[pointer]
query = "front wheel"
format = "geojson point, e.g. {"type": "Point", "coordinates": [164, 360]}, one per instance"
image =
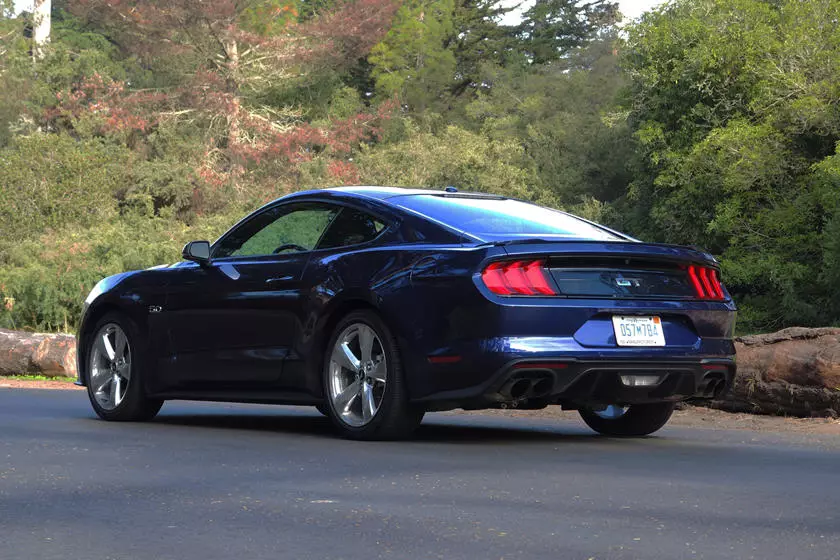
{"type": "Point", "coordinates": [634, 420]}
{"type": "Point", "coordinates": [364, 385]}
{"type": "Point", "coordinates": [115, 363]}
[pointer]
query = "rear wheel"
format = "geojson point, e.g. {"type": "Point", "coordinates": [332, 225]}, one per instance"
{"type": "Point", "coordinates": [115, 363]}
{"type": "Point", "coordinates": [364, 385]}
{"type": "Point", "coordinates": [628, 421]}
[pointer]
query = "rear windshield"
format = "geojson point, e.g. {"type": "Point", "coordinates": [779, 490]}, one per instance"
{"type": "Point", "coordinates": [499, 216]}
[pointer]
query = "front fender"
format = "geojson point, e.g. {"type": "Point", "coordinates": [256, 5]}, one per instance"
{"type": "Point", "coordinates": [132, 293]}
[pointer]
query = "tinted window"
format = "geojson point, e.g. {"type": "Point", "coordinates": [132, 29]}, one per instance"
{"type": "Point", "coordinates": [500, 216]}
{"type": "Point", "coordinates": [351, 227]}
{"type": "Point", "coordinates": [279, 230]}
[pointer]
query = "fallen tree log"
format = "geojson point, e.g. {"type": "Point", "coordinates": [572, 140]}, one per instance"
{"type": "Point", "coordinates": [795, 371]}
{"type": "Point", "coordinates": [22, 353]}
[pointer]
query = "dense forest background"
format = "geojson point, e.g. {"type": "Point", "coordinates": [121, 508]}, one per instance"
{"type": "Point", "coordinates": [146, 123]}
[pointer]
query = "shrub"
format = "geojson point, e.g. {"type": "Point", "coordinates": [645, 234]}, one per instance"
{"type": "Point", "coordinates": [47, 278]}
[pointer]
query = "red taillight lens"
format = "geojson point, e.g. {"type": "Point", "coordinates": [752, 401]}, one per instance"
{"type": "Point", "coordinates": [515, 275]}
{"type": "Point", "coordinates": [713, 276]}
{"type": "Point", "coordinates": [706, 283]}
{"type": "Point", "coordinates": [494, 278]}
{"type": "Point", "coordinates": [536, 276]}
{"type": "Point", "coordinates": [527, 278]}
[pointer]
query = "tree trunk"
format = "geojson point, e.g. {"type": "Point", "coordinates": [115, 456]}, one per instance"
{"type": "Point", "coordinates": [23, 353]}
{"type": "Point", "coordinates": [794, 371]}
{"type": "Point", "coordinates": [41, 21]}
{"type": "Point", "coordinates": [234, 117]}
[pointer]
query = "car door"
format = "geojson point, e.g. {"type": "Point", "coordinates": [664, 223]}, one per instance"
{"type": "Point", "coordinates": [232, 321]}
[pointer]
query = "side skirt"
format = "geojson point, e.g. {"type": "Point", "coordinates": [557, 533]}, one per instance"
{"type": "Point", "coordinates": [251, 397]}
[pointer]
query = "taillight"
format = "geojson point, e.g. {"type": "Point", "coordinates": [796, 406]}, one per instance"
{"type": "Point", "coordinates": [706, 282]}
{"type": "Point", "coordinates": [527, 278]}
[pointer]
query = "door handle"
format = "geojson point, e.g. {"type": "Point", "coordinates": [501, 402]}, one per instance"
{"type": "Point", "coordinates": [280, 279]}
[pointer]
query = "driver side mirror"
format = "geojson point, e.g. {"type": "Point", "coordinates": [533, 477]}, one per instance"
{"type": "Point", "coordinates": [197, 251]}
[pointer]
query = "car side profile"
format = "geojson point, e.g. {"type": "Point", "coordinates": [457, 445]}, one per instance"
{"type": "Point", "coordinates": [379, 304]}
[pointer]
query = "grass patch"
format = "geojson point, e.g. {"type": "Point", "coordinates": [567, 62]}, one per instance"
{"type": "Point", "coordinates": [60, 379]}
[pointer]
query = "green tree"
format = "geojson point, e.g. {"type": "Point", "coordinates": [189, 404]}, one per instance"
{"type": "Point", "coordinates": [562, 118]}
{"type": "Point", "coordinates": [551, 28]}
{"type": "Point", "coordinates": [413, 60]}
{"type": "Point", "coordinates": [479, 39]}
{"type": "Point", "coordinates": [733, 103]}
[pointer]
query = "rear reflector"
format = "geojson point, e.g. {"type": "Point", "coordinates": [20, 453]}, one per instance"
{"type": "Point", "coordinates": [540, 365]}
{"type": "Point", "coordinates": [706, 282]}
{"type": "Point", "coordinates": [527, 278]}
{"type": "Point", "coordinates": [444, 359]}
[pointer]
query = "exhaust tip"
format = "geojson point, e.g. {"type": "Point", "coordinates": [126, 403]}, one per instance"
{"type": "Point", "coordinates": [542, 387]}
{"type": "Point", "coordinates": [714, 385]}
{"type": "Point", "coordinates": [520, 388]}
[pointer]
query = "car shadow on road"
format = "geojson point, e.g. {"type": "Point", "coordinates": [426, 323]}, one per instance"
{"type": "Point", "coordinates": [439, 430]}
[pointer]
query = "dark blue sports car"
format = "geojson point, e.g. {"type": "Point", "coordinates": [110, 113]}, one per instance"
{"type": "Point", "coordinates": [378, 304]}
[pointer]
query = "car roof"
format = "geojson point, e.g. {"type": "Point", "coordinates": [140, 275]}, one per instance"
{"type": "Point", "coordinates": [383, 193]}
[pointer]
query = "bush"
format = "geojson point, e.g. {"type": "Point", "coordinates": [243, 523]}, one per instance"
{"type": "Point", "coordinates": [453, 156]}
{"type": "Point", "coordinates": [44, 280]}
{"type": "Point", "coordinates": [48, 181]}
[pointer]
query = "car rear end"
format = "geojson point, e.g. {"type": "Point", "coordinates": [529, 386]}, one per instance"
{"type": "Point", "coordinates": [602, 323]}
{"type": "Point", "coordinates": [585, 319]}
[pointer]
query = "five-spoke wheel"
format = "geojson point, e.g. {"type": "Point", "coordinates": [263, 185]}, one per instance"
{"type": "Point", "coordinates": [110, 366]}
{"type": "Point", "coordinates": [358, 374]}
{"type": "Point", "coordinates": [365, 392]}
{"type": "Point", "coordinates": [114, 371]}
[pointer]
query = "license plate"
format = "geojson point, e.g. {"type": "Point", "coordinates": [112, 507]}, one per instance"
{"type": "Point", "coordinates": [638, 331]}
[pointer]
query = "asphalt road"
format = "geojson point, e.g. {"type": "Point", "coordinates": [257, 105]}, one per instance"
{"type": "Point", "coordinates": [215, 481]}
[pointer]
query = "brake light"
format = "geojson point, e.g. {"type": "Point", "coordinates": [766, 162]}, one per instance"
{"type": "Point", "coordinates": [706, 283]}
{"type": "Point", "coordinates": [527, 278]}
{"type": "Point", "coordinates": [716, 283]}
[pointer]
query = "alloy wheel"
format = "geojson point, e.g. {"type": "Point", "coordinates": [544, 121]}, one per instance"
{"type": "Point", "coordinates": [357, 375]}
{"type": "Point", "coordinates": [110, 366]}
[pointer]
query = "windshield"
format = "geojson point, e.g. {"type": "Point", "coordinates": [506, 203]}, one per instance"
{"type": "Point", "coordinates": [495, 216]}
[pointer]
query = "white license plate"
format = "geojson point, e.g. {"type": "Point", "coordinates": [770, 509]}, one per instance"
{"type": "Point", "coordinates": [638, 331]}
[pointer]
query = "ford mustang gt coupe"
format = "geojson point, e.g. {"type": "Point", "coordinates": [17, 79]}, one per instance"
{"type": "Point", "coordinates": [379, 304]}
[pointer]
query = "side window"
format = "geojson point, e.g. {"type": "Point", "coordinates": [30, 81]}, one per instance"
{"type": "Point", "coordinates": [351, 227]}
{"type": "Point", "coordinates": [279, 230]}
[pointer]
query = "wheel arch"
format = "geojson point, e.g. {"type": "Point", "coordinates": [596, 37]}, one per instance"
{"type": "Point", "coordinates": [91, 318]}
{"type": "Point", "coordinates": [325, 331]}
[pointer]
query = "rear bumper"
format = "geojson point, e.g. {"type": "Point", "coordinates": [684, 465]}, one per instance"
{"type": "Point", "coordinates": [589, 382]}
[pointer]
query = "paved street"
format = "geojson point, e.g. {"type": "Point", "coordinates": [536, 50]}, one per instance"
{"type": "Point", "coordinates": [216, 481]}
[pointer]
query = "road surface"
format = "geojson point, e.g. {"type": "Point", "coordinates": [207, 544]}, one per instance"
{"type": "Point", "coordinates": [216, 481]}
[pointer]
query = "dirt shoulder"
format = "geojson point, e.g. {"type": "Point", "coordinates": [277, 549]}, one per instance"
{"type": "Point", "coordinates": [690, 417]}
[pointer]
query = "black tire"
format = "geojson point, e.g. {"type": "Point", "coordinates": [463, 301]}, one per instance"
{"type": "Point", "coordinates": [639, 420]}
{"type": "Point", "coordinates": [135, 405]}
{"type": "Point", "coordinates": [396, 417]}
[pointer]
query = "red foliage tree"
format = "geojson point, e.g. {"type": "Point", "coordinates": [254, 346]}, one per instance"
{"type": "Point", "coordinates": [240, 48]}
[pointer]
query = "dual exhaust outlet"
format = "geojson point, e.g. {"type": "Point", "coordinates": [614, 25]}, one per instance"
{"type": "Point", "coordinates": [523, 388]}
{"type": "Point", "coordinates": [714, 385]}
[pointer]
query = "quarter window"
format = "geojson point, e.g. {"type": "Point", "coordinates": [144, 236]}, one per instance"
{"type": "Point", "coordinates": [351, 227]}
